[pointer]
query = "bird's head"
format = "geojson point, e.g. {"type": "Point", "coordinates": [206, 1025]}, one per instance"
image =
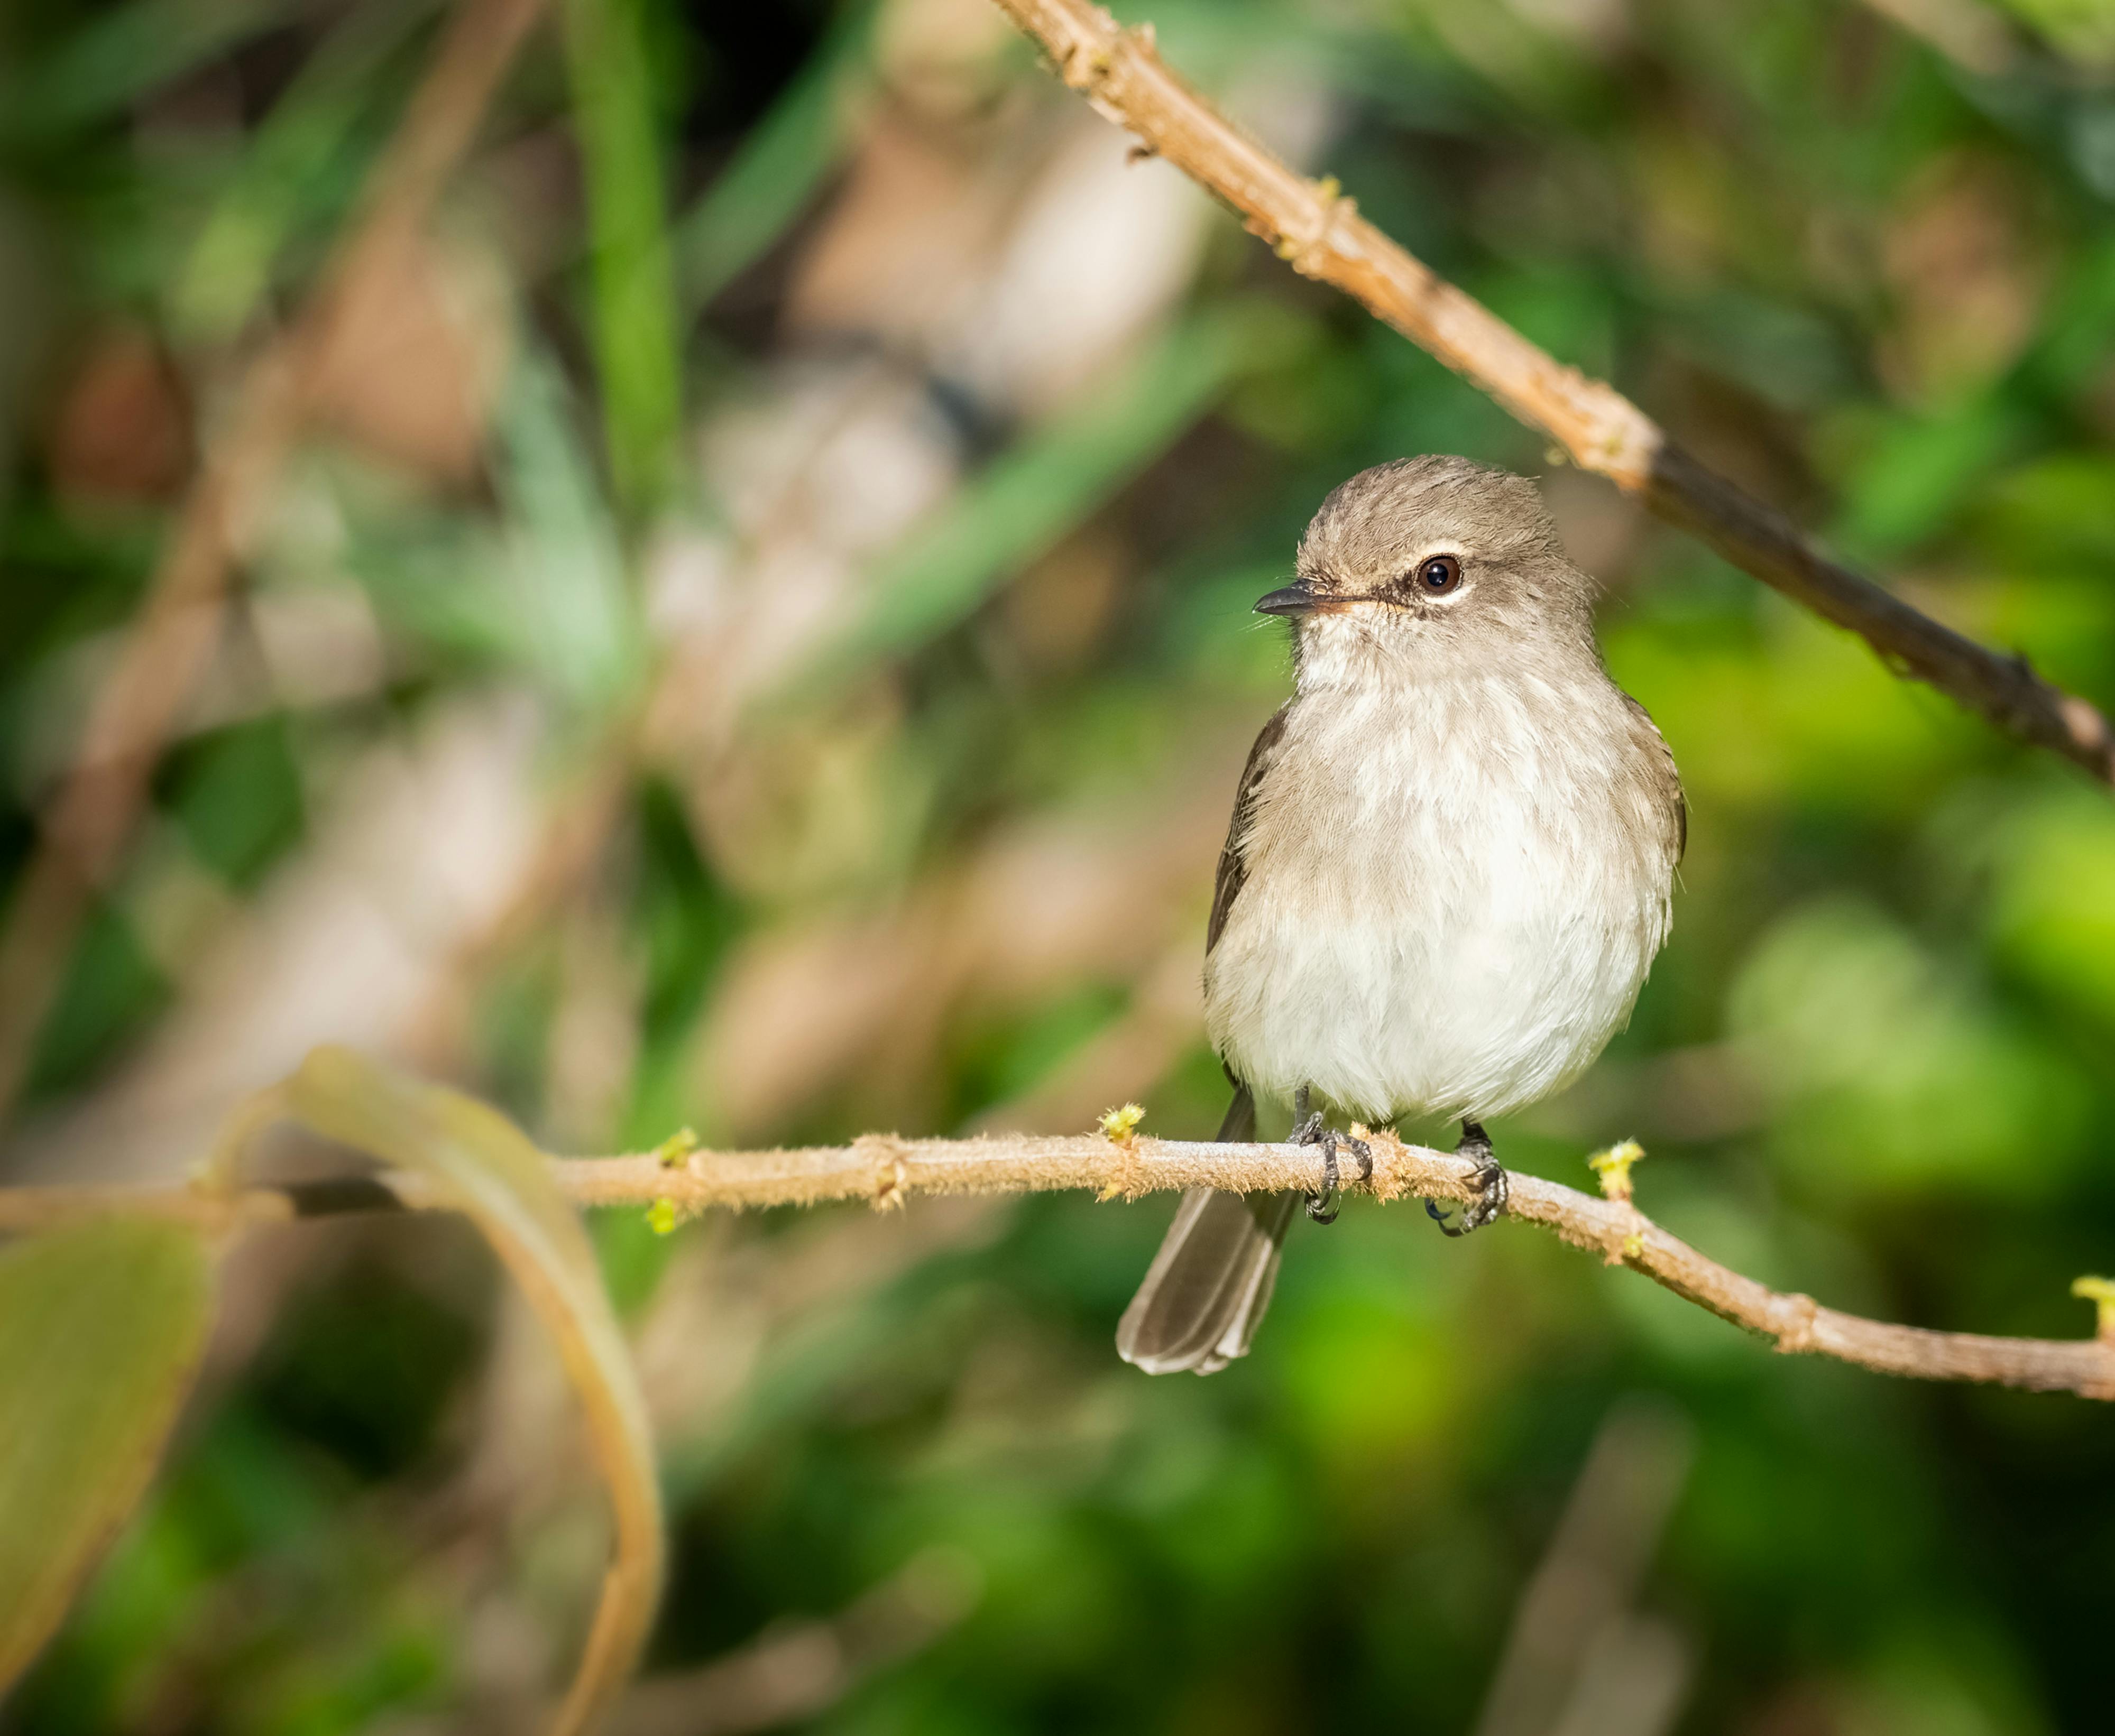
{"type": "Point", "coordinates": [1429, 563]}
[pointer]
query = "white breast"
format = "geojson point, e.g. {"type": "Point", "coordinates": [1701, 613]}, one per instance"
{"type": "Point", "coordinates": [1453, 896]}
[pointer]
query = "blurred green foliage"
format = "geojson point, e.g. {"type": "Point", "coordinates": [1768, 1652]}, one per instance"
{"type": "Point", "coordinates": [1877, 1062]}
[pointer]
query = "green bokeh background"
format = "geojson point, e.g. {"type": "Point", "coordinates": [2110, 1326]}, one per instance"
{"type": "Point", "coordinates": [1875, 285]}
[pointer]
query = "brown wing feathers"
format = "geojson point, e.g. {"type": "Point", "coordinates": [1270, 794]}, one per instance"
{"type": "Point", "coordinates": [1233, 862]}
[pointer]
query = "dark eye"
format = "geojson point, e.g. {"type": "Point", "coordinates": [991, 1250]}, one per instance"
{"type": "Point", "coordinates": [1439, 575]}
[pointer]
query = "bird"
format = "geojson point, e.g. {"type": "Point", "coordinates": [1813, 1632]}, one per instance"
{"type": "Point", "coordinates": [1450, 867]}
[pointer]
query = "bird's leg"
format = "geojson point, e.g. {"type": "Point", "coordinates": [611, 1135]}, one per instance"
{"type": "Point", "coordinates": [1492, 1181]}
{"type": "Point", "coordinates": [1307, 1122]}
{"type": "Point", "coordinates": [1309, 1129]}
{"type": "Point", "coordinates": [1493, 1186]}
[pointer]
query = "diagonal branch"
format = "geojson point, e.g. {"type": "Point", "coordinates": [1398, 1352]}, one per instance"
{"type": "Point", "coordinates": [1319, 230]}
{"type": "Point", "coordinates": [171, 639]}
{"type": "Point", "coordinates": [885, 1170]}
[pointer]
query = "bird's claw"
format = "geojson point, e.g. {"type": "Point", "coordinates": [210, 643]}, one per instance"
{"type": "Point", "coordinates": [1493, 1186]}
{"type": "Point", "coordinates": [1313, 1130]}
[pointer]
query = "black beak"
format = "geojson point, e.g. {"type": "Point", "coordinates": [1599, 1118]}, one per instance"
{"type": "Point", "coordinates": [1294, 599]}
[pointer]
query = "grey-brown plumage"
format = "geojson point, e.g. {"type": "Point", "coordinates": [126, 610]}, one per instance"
{"type": "Point", "coordinates": [1209, 1285]}
{"type": "Point", "coordinates": [1448, 866]}
{"type": "Point", "coordinates": [1205, 1293]}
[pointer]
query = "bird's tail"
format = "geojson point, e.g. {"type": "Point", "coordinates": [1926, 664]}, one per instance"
{"type": "Point", "coordinates": [1209, 1285]}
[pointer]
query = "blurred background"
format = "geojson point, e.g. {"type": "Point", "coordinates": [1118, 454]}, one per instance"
{"type": "Point", "coordinates": [734, 612]}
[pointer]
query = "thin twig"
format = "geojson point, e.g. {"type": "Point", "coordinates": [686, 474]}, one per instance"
{"type": "Point", "coordinates": [1577, 1616]}
{"type": "Point", "coordinates": [1313, 226]}
{"type": "Point", "coordinates": [170, 642]}
{"type": "Point", "coordinates": [885, 1170]}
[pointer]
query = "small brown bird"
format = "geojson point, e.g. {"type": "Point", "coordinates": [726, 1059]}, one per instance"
{"type": "Point", "coordinates": [1447, 873]}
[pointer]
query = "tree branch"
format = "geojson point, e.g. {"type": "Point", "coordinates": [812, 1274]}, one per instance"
{"type": "Point", "coordinates": [1313, 226]}
{"type": "Point", "coordinates": [885, 1170]}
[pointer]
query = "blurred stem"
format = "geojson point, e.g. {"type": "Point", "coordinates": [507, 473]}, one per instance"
{"type": "Point", "coordinates": [630, 272]}
{"type": "Point", "coordinates": [885, 1170]}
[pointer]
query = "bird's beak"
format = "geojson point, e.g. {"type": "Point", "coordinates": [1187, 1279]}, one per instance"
{"type": "Point", "coordinates": [1294, 599]}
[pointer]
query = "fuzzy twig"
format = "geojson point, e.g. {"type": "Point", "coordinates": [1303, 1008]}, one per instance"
{"type": "Point", "coordinates": [1315, 228]}
{"type": "Point", "coordinates": [885, 1170]}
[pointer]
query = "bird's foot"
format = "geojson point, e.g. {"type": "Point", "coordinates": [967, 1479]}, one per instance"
{"type": "Point", "coordinates": [1494, 1188]}
{"type": "Point", "coordinates": [1313, 1130]}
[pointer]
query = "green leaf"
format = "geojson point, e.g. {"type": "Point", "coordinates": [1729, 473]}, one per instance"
{"type": "Point", "coordinates": [1027, 498]}
{"type": "Point", "coordinates": [2084, 30]}
{"type": "Point", "coordinates": [636, 350]}
{"type": "Point", "coordinates": [782, 163]}
{"type": "Point", "coordinates": [101, 1327]}
{"type": "Point", "coordinates": [562, 599]}
{"type": "Point", "coordinates": [487, 1168]}
{"type": "Point", "coordinates": [122, 55]}
{"type": "Point", "coordinates": [1917, 473]}
{"type": "Point", "coordinates": [302, 166]}
{"type": "Point", "coordinates": [546, 591]}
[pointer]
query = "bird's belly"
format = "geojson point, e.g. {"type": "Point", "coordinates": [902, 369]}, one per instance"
{"type": "Point", "coordinates": [1394, 979]}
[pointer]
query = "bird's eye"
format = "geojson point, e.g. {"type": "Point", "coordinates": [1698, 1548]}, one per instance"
{"type": "Point", "coordinates": [1439, 575]}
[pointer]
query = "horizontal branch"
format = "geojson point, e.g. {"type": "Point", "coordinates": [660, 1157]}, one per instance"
{"type": "Point", "coordinates": [884, 1171]}
{"type": "Point", "coordinates": [1313, 226]}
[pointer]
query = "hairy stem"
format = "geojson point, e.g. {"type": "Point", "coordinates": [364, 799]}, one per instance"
{"type": "Point", "coordinates": [885, 1170]}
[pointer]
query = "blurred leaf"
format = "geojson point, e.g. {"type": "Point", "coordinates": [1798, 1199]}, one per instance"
{"type": "Point", "coordinates": [237, 795]}
{"type": "Point", "coordinates": [443, 580]}
{"type": "Point", "coordinates": [2078, 325]}
{"type": "Point", "coordinates": [2084, 30]}
{"type": "Point", "coordinates": [545, 592]}
{"type": "Point", "coordinates": [1032, 494]}
{"type": "Point", "coordinates": [112, 989]}
{"type": "Point", "coordinates": [101, 1327]}
{"type": "Point", "coordinates": [123, 54]}
{"type": "Point", "coordinates": [2061, 508]}
{"type": "Point", "coordinates": [486, 1167]}
{"type": "Point", "coordinates": [1913, 473]}
{"type": "Point", "coordinates": [686, 919]}
{"type": "Point", "coordinates": [296, 162]}
{"type": "Point", "coordinates": [2053, 899]}
{"type": "Point", "coordinates": [1795, 714]}
{"type": "Point", "coordinates": [1787, 354]}
{"type": "Point", "coordinates": [560, 601]}
{"type": "Point", "coordinates": [781, 162]}
{"type": "Point", "coordinates": [634, 322]}
{"type": "Point", "coordinates": [1894, 1073]}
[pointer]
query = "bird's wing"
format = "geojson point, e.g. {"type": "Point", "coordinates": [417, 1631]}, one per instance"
{"type": "Point", "coordinates": [1233, 857]}
{"type": "Point", "coordinates": [1664, 782]}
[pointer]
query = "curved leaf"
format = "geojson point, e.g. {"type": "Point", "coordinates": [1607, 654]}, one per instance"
{"type": "Point", "coordinates": [486, 1167]}
{"type": "Point", "coordinates": [101, 1327]}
